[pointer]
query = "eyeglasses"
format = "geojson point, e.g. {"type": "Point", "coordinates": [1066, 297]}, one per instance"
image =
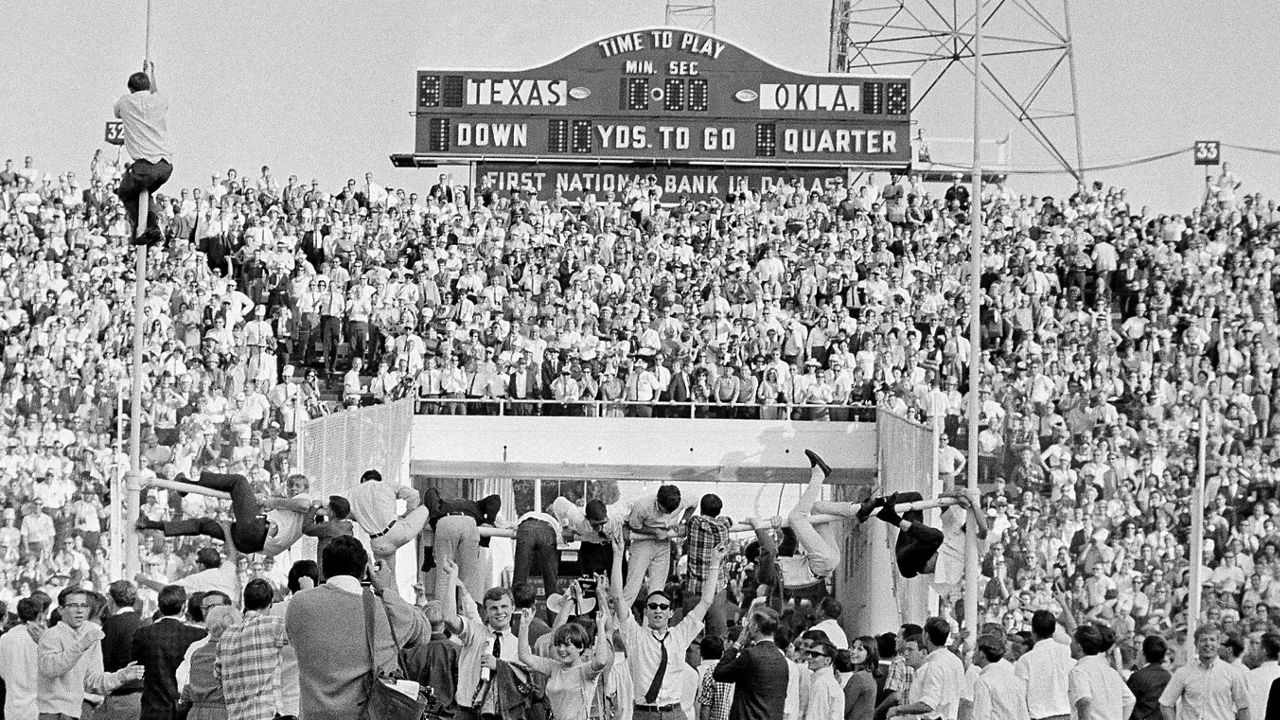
{"type": "Point", "coordinates": [658, 606]}
{"type": "Point", "coordinates": [75, 606]}
{"type": "Point", "coordinates": [816, 653]}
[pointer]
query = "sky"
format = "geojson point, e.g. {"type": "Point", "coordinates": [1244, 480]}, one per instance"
{"type": "Point", "coordinates": [324, 89]}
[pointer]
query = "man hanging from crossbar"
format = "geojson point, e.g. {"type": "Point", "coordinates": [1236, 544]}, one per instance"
{"type": "Point", "coordinates": [924, 550]}
{"type": "Point", "coordinates": [143, 113]}
{"type": "Point", "coordinates": [267, 525]}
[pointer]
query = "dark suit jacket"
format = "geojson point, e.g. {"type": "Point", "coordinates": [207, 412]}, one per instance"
{"type": "Point", "coordinates": [759, 674]}
{"type": "Point", "coordinates": [678, 391]}
{"type": "Point", "coordinates": [159, 648]}
{"type": "Point", "coordinates": [117, 646]}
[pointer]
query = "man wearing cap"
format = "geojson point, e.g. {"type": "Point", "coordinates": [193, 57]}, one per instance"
{"type": "Point", "coordinates": [998, 692]}
{"type": "Point", "coordinates": [655, 652]}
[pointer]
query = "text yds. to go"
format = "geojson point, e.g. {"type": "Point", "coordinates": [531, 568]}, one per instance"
{"type": "Point", "coordinates": [664, 137]}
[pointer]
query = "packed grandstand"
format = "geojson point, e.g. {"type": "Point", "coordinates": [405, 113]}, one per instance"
{"type": "Point", "coordinates": [1104, 325]}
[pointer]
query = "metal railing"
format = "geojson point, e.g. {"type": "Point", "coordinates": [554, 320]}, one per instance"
{"type": "Point", "coordinates": [506, 406]}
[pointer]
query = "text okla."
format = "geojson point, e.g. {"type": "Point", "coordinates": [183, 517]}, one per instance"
{"type": "Point", "coordinates": [609, 137]}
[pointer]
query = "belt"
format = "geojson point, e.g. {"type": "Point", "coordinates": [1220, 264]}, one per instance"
{"type": "Point", "coordinates": [375, 536]}
{"type": "Point", "coordinates": [457, 512]}
{"type": "Point", "coordinates": [658, 708]}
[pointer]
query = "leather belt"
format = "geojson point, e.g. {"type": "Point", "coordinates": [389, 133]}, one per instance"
{"type": "Point", "coordinates": [658, 708]}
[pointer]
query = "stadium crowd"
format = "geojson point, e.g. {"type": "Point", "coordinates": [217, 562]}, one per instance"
{"type": "Point", "coordinates": [1105, 326]}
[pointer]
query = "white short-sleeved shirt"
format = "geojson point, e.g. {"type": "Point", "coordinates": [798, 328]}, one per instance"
{"type": "Point", "coordinates": [644, 653]}
{"type": "Point", "coordinates": [1092, 678]}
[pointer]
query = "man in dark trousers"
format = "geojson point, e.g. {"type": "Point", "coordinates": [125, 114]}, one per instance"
{"type": "Point", "coordinates": [143, 113]}
{"type": "Point", "coordinates": [757, 668]}
{"type": "Point", "coordinates": [119, 630]}
{"type": "Point", "coordinates": [159, 649]}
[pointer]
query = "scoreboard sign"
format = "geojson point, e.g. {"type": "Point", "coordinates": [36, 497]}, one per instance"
{"type": "Point", "coordinates": [573, 181]}
{"type": "Point", "coordinates": [662, 95]}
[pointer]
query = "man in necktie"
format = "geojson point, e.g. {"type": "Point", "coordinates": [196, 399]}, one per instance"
{"type": "Point", "coordinates": [485, 642]}
{"type": "Point", "coordinates": [655, 651]}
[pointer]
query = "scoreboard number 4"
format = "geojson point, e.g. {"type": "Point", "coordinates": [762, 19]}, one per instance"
{"type": "Point", "coordinates": [1208, 152]}
{"type": "Point", "coordinates": [114, 132]}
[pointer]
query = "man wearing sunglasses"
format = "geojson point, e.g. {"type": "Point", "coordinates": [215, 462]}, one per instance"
{"type": "Point", "coordinates": [654, 652]}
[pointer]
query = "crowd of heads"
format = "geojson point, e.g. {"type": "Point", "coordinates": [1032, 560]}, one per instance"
{"type": "Point", "coordinates": [1105, 327]}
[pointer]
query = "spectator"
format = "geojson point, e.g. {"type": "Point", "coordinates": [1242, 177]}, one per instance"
{"type": "Point", "coordinates": [1046, 668]}
{"type": "Point", "coordinates": [159, 648]}
{"type": "Point", "coordinates": [826, 701]}
{"type": "Point", "coordinates": [572, 676]}
{"type": "Point", "coordinates": [1095, 688]}
{"type": "Point", "coordinates": [1218, 690]}
{"type": "Point", "coordinates": [1149, 681]}
{"type": "Point", "coordinates": [653, 524]}
{"type": "Point", "coordinates": [332, 668]}
{"type": "Point", "coordinates": [143, 113]}
{"type": "Point", "coordinates": [998, 692]}
{"type": "Point", "coordinates": [939, 676]}
{"type": "Point", "coordinates": [757, 669]}
{"type": "Point", "coordinates": [1260, 679]}
{"type": "Point", "coordinates": [118, 629]}
{"type": "Point", "coordinates": [249, 659]}
{"type": "Point", "coordinates": [69, 658]}
{"type": "Point", "coordinates": [198, 682]}
{"type": "Point", "coordinates": [707, 531]}
{"type": "Point", "coordinates": [714, 698]}
{"type": "Point", "coordinates": [19, 663]}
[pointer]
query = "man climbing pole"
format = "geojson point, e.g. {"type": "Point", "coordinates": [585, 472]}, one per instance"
{"type": "Point", "coordinates": [143, 112]}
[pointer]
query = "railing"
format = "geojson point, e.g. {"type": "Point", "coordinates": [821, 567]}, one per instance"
{"type": "Point", "coordinates": [633, 408]}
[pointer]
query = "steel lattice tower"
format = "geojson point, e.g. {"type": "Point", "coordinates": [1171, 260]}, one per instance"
{"type": "Point", "coordinates": [693, 15]}
{"type": "Point", "coordinates": [1027, 51]}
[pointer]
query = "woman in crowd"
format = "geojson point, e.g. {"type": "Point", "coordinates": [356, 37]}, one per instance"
{"type": "Point", "coordinates": [198, 682]}
{"type": "Point", "coordinates": [574, 672]}
{"type": "Point", "coordinates": [856, 668]}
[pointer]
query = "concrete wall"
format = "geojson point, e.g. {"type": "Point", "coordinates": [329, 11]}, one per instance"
{"type": "Point", "coordinates": [656, 449]}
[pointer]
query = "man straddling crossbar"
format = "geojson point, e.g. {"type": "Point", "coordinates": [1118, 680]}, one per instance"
{"type": "Point", "coordinates": [924, 550]}
{"type": "Point", "coordinates": [267, 525]}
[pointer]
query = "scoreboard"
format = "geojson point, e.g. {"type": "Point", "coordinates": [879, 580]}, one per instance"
{"type": "Point", "coordinates": [662, 95]}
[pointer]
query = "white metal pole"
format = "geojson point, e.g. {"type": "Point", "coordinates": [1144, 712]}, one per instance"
{"type": "Point", "coordinates": [115, 538]}
{"type": "Point", "coordinates": [975, 334]}
{"type": "Point", "coordinates": [133, 490]}
{"type": "Point", "coordinates": [1197, 532]}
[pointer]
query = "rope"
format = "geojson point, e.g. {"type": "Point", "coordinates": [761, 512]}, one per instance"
{"type": "Point", "coordinates": [1247, 148]}
{"type": "Point", "coordinates": [1096, 168]}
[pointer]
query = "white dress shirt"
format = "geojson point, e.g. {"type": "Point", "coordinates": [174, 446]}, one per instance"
{"type": "Point", "coordinates": [1045, 668]}
{"type": "Point", "coordinates": [1109, 696]}
{"type": "Point", "coordinates": [1258, 681]}
{"type": "Point", "coordinates": [938, 683]}
{"type": "Point", "coordinates": [999, 694]}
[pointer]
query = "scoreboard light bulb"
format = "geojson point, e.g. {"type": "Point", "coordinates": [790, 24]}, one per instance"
{"type": "Point", "coordinates": [657, 94]}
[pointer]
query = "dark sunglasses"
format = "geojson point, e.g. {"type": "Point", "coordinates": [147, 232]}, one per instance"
{"type": "Point", "coordinates": [658, 606]}
{"type": "Point", "coordinates": [816, 653]}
